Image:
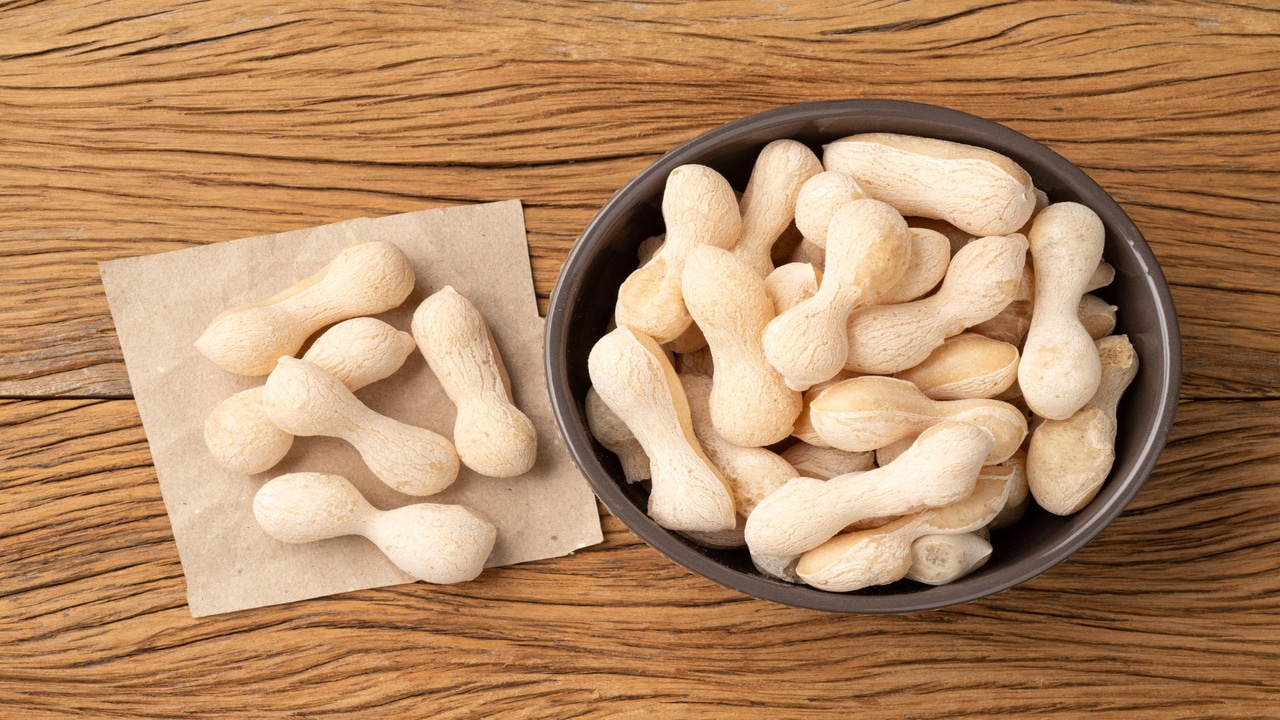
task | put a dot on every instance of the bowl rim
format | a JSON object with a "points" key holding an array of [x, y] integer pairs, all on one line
{"points": [[990, 134]]}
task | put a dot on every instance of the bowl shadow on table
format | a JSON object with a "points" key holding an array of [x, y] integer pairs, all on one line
{"points": [[1021, 551]]}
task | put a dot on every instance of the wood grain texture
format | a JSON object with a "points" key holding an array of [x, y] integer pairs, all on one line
{"points": [[134, 126], [1170, 613]]}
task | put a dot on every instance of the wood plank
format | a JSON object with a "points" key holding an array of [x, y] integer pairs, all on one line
{"points": [[137, 127], [1230, 342], [1169, 613]]}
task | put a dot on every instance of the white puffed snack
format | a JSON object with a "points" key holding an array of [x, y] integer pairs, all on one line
{"points": [[364, 279], [302, 399], [939, 469], [433, 543], [751, 404], [635, 379], [490, 433], [974, 189]]}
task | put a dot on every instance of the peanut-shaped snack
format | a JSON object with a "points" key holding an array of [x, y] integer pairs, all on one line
{"points": [[1014, 474], [930, 255], [825, 463], [870, 412], [364, 279], [978, 191], [433, 543], [868, 247], [819, 199], [939, 469], [879, 556], [637, 382], [1097, 316], [616, 437], [358, 352], [752, 472], [942, 559], [699, 208], [791, 284], [490, 433], [302, 399], [965, 366], [1069, 460], [751, 404], [1059, 370], [981, 280], [769, 203]]}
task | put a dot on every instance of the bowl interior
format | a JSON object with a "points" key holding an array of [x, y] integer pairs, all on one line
{"points": [[583, 303]]}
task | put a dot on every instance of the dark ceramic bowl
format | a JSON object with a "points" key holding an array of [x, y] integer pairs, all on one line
{"points": [[606, 253]]}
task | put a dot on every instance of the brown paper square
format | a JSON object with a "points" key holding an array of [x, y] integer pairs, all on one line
{"points": [[161, 304]]}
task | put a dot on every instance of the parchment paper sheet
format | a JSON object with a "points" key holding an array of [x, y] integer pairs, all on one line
{"points": [[161, 304]]}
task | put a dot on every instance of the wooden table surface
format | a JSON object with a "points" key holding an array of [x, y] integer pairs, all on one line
{"points": [[136, 126]]}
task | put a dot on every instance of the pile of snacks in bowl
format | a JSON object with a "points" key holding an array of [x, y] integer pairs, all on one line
{"points": [[924, 359]]}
